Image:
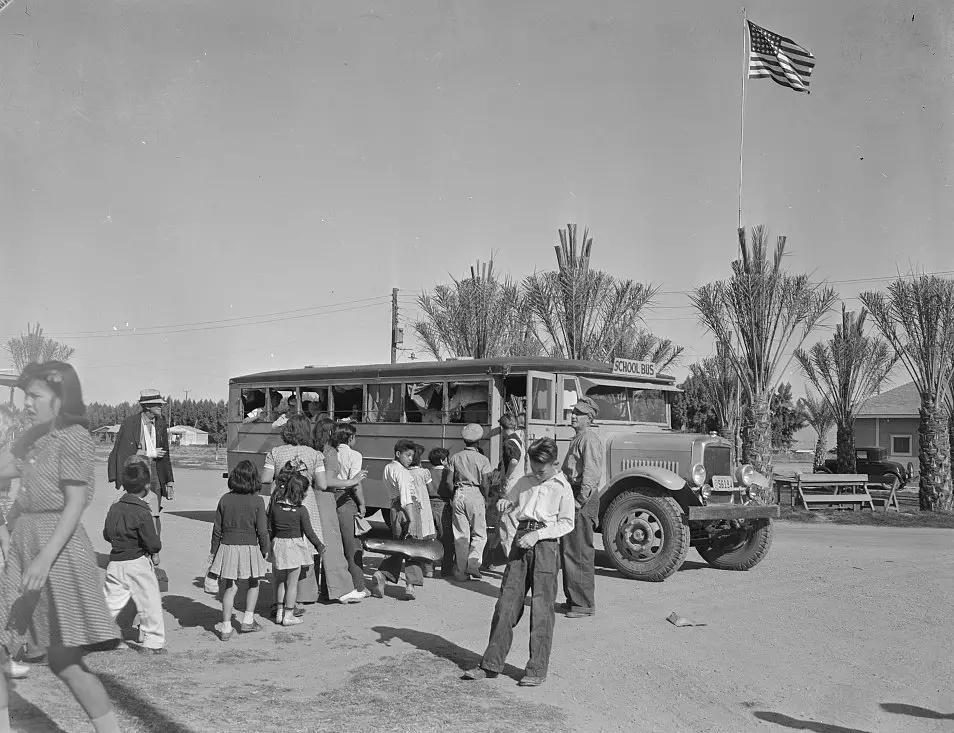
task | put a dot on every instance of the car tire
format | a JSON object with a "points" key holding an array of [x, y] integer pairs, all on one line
{"points": [[646, 534], [744, 554], [889, 478]]}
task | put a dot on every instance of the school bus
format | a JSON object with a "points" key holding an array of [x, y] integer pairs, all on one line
{"points": [[662, 491]]}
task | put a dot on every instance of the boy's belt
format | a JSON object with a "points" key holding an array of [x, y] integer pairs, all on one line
{"points": [[530, 525]]}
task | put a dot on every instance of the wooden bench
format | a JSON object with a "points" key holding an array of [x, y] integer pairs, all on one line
{"points": [[848, 489]]}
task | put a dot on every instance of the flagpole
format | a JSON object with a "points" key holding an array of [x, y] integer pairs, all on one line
{"points": [[745, 73]]}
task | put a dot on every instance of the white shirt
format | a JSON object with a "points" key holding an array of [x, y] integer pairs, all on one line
{"points": [[349, 462], [550, 502], [149, 438]]}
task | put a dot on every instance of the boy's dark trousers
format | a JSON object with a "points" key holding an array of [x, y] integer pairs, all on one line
{"points": [[535, 571], [444, 525]]}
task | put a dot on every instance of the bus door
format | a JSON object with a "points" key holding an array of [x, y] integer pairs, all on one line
{"points": [[568, 393], [541, 406]]}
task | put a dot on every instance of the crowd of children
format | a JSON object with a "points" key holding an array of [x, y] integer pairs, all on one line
{"points": [[450, 502]]}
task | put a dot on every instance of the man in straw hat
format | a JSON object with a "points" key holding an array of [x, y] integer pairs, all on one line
{"points": [[145, 434], [583, 468], [469, 472]]}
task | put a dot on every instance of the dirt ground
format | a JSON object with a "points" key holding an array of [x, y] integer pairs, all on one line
{"points": [[842, 629]]}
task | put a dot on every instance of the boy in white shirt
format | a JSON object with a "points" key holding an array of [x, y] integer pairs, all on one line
{"points": [[542, 507]]}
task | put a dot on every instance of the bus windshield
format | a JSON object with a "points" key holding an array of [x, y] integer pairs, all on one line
{"points": [[617, 403]]}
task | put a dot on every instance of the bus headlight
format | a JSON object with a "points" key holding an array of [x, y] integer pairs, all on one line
{"points": [[706, 491], [698, 475], [745, 475]]}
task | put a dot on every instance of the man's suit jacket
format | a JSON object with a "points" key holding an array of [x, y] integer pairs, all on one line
{"points": [[129, 440]]}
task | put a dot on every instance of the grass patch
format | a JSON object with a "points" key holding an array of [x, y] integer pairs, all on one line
{"points": [[241, 689], [868, 518]]}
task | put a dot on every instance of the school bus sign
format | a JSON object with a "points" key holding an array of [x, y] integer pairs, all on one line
{"points": [[633, 368]]}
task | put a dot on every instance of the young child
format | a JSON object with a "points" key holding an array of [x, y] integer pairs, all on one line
{"points": [[289, 525], [422, 489], [410, 516], [542, 505], [240, 545], [441, 493], [131, 532], [469, 472]]}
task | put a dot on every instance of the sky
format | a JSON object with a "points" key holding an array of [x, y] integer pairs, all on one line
{"points": [[191, 191]]}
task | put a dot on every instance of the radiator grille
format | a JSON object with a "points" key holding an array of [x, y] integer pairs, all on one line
{"points": [[629, 463], [716, 460]]}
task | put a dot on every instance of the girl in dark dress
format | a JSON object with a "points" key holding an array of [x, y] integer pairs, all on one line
{"points": [[51, 593]]}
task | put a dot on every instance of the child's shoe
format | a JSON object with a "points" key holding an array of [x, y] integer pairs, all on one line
{"points": [[291, 619], [224, 631], [279, 615], [408, 593], [245, 628], [378, 582], [353, 596]]}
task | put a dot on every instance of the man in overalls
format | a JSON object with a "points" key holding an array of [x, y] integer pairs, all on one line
{"points": [[583, 468]]}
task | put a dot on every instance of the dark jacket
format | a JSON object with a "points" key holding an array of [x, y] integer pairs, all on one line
{"points": [[240, 520], [129, 440], [130, 529]]}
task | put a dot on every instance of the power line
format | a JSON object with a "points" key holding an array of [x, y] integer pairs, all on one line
{"points": [[227, 322]]}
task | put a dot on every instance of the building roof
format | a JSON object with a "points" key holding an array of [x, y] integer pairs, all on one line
{"points": [[179, 429], [903, 401]]}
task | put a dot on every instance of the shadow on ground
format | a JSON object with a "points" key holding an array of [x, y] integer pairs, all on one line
{"points": [[28, 718], [812, 725], [198, 515], [900, 708]]}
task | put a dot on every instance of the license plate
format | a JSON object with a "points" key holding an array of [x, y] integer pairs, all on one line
{"points": [[722, 483]]}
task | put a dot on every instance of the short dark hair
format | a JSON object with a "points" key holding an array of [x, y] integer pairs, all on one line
{"points": [[292, 488], [297, 431], [418, 452], [404, 445], [342, 434], [543, 450], [438, 456], [508, 422], [135, 476], [244, 478]]}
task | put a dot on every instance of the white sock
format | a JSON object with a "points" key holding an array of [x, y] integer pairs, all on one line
{"points": [[249, 617], [106, 723]]}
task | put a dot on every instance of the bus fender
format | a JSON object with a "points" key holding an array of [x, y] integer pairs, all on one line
{"points": [[642, 476]]}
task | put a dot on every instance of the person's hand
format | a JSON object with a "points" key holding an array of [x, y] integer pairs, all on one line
{"points": [[362, 475], [362, 510], [36, 574], [504, 505], [160, 453], [525, 542], [141, 452]]}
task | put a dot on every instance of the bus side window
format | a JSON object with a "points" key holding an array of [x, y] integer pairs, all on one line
{"points": [[251, 400], [385, 403], [468, 402], [349, 402], [314, 402], [424, 402]]}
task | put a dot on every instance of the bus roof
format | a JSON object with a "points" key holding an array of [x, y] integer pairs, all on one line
{"points": [[425, 370]]}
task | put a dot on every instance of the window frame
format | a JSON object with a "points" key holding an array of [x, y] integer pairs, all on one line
{"points": [[552, 380], [910, 438], [402, 387]]}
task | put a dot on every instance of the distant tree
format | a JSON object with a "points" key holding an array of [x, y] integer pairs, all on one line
{"points": [[786, 419], [582, 313], [643, 345], [757, 315], [847, 370], [699, 414], [34, 347], [916, 316], [480, 316], [816, 412]]}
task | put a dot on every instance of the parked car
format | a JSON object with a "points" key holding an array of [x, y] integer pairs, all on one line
{"points": [[873, 462]]}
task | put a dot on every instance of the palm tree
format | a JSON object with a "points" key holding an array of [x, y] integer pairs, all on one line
{"points": [[816, 412], [846, 371], [34, 348], [720, 385], [757, 315], [916, 316], [583, 313], [480, 316]]}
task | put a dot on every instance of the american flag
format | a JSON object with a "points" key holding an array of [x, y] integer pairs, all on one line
{"points": [[778, 58]]}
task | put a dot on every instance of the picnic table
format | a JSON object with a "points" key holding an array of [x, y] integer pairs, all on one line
{"points": [[841, 489]]}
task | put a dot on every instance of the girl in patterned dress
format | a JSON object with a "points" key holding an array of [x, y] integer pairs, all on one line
{"points": [[289, 525], [240, 545], [51, 592]]}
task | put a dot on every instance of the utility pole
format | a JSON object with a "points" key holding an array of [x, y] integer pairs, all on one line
{"points": [[187, 394], [397, 334]]}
